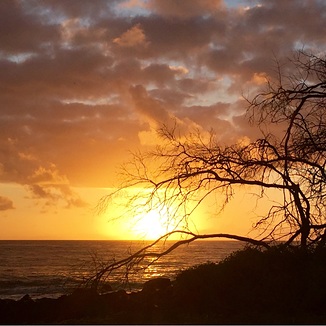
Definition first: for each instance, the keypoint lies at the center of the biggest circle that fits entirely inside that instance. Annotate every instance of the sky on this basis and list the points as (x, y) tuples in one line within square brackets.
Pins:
[(84, 83)]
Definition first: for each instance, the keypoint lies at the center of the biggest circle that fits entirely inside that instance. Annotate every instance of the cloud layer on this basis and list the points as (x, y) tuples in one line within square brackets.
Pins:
[(82, 82)]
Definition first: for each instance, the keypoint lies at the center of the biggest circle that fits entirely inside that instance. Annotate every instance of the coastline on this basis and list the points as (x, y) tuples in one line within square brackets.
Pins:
[(276, 286), (83, 306), (53, 268)]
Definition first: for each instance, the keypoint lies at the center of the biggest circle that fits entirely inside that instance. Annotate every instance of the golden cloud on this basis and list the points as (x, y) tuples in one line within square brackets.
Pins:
[(134, 36)]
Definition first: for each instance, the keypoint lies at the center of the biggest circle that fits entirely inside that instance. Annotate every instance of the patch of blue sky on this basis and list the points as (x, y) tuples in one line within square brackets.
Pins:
[(48, 16), (313, 47), (241, 3), (131, 8), (17, 57)]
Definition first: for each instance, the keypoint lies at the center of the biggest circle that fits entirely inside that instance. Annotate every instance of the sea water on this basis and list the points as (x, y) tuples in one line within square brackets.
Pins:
[(52, 268)]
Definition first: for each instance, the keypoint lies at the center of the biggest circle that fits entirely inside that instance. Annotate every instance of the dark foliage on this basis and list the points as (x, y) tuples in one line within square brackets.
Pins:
[(279, 285)]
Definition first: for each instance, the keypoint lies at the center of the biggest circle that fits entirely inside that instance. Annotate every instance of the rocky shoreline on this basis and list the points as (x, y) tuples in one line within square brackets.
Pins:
[(276, 286), (150, 305)]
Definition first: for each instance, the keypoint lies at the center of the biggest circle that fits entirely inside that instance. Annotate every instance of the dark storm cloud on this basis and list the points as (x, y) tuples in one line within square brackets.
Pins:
[(21, 31), (82, 82)]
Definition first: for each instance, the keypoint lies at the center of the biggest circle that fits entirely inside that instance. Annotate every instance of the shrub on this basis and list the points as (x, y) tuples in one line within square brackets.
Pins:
[(279, 281)]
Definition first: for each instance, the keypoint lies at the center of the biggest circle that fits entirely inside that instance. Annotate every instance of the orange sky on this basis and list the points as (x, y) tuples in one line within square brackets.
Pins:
[(84, 82)]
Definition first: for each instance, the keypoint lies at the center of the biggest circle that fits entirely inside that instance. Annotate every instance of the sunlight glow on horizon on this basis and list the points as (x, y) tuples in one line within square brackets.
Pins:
[(85, 84), (152, 225)]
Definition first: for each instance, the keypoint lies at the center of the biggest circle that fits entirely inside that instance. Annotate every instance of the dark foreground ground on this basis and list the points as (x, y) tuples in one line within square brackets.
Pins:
[(279, 286)]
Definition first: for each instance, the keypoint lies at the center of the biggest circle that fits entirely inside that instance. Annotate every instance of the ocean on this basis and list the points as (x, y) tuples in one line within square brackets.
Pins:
[(50, 268)]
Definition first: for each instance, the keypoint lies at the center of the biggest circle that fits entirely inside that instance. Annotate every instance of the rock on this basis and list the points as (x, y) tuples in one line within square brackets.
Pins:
[(86, 304), (80, 303), (84, 293), (115, 301), (26, 298), (156, 293), (156, 285)]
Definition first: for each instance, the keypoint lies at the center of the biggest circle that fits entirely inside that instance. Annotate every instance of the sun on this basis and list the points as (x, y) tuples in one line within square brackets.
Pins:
[(152, 225)]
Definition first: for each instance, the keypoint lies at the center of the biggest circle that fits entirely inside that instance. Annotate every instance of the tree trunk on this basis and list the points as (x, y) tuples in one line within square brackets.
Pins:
[(305, 230)]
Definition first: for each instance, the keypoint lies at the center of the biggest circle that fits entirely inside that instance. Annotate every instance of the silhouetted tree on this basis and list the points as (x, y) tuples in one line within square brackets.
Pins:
[(295, 158), (289, 157)]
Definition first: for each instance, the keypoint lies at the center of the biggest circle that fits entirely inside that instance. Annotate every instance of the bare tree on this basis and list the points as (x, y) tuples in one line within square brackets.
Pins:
[(298, 103), (289, 157)]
